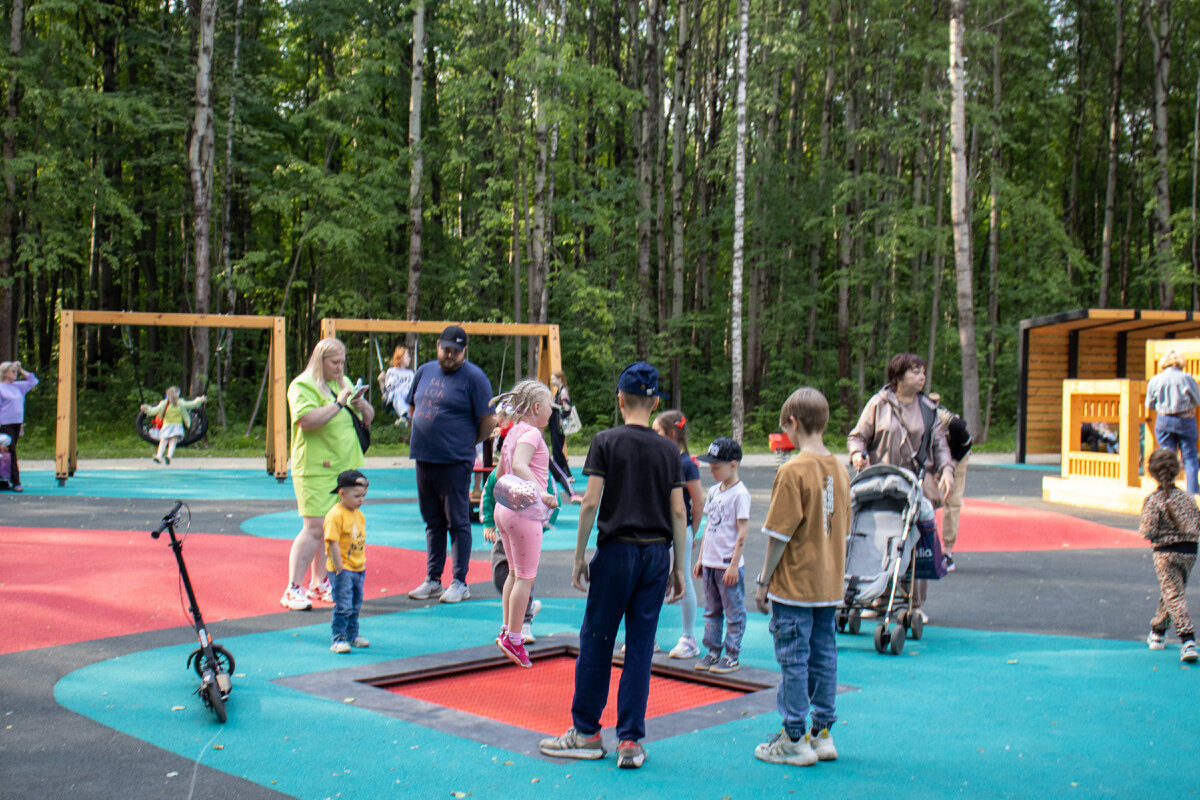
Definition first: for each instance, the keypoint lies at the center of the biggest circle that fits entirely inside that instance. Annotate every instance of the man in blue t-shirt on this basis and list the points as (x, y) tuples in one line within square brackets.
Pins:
[(450, 407)]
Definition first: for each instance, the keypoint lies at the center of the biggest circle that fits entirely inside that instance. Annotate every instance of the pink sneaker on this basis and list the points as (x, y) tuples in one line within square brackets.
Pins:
[(515, 651)]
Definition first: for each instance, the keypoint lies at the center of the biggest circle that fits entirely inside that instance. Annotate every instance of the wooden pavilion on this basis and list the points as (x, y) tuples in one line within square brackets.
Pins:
[(1087, 343)]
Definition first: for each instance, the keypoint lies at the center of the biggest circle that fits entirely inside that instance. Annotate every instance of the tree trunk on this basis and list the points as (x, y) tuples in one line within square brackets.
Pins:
[(961, 223), (225, 360), (416, 215), (8, 315), (1195, 180), (993, 303), (814, 252), (1158, 23), (739, 222), (200, 163), (679, 91), (1114, 147), (537, 264)]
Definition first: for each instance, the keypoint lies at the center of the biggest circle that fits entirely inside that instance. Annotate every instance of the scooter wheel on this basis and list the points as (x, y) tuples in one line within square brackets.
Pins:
[(213, 699), (224, 661)]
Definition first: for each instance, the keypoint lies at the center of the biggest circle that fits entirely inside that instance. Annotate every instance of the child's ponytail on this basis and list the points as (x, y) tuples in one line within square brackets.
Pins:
[(674, 423)]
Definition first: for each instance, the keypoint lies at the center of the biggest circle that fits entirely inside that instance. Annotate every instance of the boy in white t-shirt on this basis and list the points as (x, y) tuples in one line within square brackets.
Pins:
[(720, 565)]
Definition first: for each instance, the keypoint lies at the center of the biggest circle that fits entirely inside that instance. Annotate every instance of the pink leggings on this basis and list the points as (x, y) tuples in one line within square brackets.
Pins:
[(522, 539)]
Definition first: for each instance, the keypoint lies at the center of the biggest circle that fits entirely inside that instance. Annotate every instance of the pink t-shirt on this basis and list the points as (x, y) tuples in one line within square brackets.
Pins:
[(539, 464)]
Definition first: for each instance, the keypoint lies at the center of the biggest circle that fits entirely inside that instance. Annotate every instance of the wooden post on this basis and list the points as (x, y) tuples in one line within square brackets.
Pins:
[(277, 445), (64, 432)]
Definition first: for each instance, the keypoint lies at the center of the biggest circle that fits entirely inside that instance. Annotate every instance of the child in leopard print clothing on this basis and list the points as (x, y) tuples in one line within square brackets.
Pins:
[(1171, 521)]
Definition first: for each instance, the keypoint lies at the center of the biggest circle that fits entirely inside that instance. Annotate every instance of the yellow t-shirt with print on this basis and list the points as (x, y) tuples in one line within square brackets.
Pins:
[(346, 530)]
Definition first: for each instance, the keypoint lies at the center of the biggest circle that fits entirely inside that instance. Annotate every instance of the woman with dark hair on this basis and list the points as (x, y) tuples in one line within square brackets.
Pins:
[(15, 383), (899, 426)]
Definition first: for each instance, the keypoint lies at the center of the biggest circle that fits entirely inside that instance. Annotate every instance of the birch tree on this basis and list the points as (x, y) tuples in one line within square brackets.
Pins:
[(739, 222), (960, 221), (200, 163), (1158, 24), (416, 153)]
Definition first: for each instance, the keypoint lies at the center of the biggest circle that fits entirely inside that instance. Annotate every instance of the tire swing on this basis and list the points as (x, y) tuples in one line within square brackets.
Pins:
[(144, 424)]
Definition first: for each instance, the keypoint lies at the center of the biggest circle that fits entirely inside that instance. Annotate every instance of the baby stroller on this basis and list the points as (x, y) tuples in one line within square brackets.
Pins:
[(880, 567)]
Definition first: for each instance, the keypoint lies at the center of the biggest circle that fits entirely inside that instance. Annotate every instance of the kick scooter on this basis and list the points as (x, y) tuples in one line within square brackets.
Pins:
[(213, 663)]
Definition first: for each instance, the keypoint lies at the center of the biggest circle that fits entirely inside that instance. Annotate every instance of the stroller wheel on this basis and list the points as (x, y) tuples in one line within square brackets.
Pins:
[(881, 638), (855, 621), (916, 628), (897, 639), (841, 619)]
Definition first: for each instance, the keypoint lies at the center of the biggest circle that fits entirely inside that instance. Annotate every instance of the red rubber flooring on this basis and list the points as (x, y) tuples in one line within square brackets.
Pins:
[(63, 586), (987, 527), (506, 694)]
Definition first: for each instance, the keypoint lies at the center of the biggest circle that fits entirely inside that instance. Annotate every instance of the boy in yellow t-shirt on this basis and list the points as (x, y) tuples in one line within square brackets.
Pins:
[(345, 558), (801, 582)]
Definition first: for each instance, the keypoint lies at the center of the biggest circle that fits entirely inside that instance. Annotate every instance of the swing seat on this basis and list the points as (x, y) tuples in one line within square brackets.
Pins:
[(195, 432)]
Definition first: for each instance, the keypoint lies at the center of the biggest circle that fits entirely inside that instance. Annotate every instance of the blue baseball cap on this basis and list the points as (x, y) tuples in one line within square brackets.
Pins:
[(641, 379)]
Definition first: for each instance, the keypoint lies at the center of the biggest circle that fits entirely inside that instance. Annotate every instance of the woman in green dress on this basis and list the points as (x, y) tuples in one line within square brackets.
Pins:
[(324, 444)]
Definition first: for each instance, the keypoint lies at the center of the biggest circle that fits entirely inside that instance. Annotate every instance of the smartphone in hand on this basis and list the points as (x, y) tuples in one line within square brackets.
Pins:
[(359, 389)]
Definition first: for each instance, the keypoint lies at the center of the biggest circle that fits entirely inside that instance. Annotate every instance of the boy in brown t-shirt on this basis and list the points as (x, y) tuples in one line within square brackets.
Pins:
[(801, 582)]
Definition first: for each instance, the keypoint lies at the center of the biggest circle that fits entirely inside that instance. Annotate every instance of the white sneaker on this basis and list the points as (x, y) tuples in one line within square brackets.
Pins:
[(360, 641), (686, 647), (1154, 640), (322, 591), (822, 743), (457, 591), (340, 646), (782, 750), (534, 607), (294, 600), (430, 588), (527, 634), (1187, 652)]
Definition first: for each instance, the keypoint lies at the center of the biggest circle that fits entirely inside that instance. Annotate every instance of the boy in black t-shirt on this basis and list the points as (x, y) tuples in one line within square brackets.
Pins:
[(636, 486)]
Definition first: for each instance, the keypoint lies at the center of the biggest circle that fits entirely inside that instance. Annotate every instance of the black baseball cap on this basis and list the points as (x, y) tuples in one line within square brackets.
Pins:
[(453, 337), (722, 449), (349, 478)]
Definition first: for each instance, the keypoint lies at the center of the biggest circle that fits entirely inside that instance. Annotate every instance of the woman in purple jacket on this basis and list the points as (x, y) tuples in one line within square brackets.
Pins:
[(15, 382)]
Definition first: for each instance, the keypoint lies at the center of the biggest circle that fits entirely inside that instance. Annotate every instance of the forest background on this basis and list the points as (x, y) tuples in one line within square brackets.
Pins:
[(577, 162)]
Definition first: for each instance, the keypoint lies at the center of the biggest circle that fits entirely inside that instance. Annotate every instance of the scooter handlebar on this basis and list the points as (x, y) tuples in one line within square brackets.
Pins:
[(167, 521)]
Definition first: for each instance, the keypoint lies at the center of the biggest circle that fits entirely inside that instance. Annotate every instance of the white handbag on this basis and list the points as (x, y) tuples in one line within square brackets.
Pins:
[(572, 423)]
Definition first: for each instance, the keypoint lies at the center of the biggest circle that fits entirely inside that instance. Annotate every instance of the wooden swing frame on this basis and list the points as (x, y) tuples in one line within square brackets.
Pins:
[(66, 454), (549, 348)]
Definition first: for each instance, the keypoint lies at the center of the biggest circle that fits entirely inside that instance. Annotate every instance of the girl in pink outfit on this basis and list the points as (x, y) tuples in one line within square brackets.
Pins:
[(525, 456)]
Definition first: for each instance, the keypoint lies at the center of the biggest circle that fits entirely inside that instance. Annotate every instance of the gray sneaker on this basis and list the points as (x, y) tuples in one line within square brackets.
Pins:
[(780, 749), (630, 754), (726, 664), (430, 588), (573, 744), (708, 661), (456, 591)]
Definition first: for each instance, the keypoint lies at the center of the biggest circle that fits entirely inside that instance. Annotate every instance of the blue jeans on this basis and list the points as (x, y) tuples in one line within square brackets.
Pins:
[(627, 580), (444, 497), (348, 598), (1179, 434), (724, 604), (807, 654)]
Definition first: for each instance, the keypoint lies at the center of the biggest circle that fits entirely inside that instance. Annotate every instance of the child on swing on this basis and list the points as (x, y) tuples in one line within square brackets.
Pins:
[(175, 421), (525, 455)]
